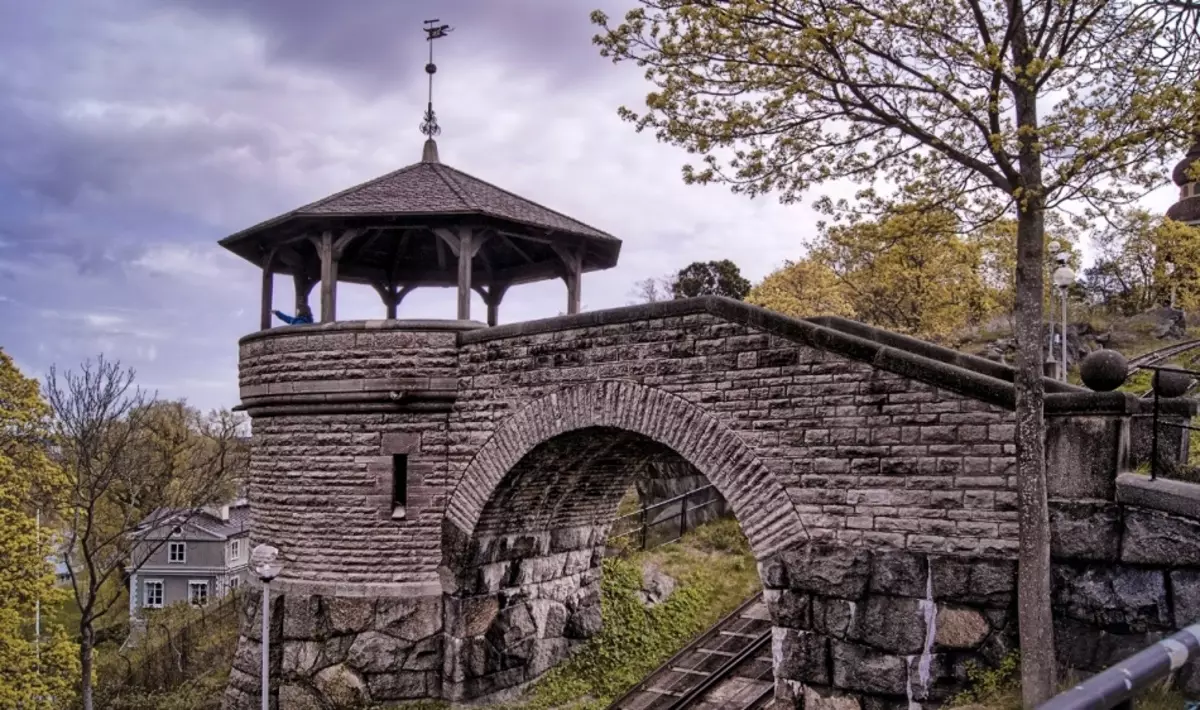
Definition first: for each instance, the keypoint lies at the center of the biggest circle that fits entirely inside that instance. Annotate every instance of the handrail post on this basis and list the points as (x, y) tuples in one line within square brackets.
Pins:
[(683, 516), (644, 526), (1154, 430)]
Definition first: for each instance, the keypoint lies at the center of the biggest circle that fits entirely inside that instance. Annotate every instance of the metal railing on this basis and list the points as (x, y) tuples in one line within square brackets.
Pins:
[(665, 522), (1117, 686), (1170, 464)]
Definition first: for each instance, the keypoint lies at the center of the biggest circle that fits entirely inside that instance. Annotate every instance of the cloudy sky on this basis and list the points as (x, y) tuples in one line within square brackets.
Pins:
[(136, 133)]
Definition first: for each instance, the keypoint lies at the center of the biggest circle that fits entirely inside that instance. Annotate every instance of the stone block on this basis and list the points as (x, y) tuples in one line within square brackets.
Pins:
[(1114, 598), (789, 609), (1082, 646), (584, 623), (303, 618), (973, 581), (299, 697), (826, 699), (425, 655), (300, 658), (409, 619), (511, 625), (1085, 530), (837, 618), (896, 625), (1153, 537), (960, 628), (899, 573), (828, 570), (375, 652), (1185, 593), (349, 615), (472, 616), (865, 670), (547, 652), (340, 686), (549, 617), (398, 686), (800, 655), (400, 443)]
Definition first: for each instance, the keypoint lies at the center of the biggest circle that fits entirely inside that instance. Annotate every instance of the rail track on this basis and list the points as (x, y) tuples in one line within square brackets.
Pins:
[(727, 667), (1156, 356)]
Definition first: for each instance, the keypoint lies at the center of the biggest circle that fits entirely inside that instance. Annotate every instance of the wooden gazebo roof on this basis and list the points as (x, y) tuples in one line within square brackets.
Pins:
[(394, 217), (1187, 209)]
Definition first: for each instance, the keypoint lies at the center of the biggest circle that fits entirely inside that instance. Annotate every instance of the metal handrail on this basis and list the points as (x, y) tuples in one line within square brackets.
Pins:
[(1119, 684)]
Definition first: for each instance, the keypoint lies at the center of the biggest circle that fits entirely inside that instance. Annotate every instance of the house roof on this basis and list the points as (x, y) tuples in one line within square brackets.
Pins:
[(420, 197), (206, 520)]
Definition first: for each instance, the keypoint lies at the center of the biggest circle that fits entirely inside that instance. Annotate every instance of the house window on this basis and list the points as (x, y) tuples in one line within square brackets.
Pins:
[(235, 550), (153, 598), (399, 485), (197, 592), (233, 583), (177, 552)]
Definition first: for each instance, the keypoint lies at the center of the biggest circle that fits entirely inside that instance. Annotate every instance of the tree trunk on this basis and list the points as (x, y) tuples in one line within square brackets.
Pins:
[(85, 665), (1038, 668)]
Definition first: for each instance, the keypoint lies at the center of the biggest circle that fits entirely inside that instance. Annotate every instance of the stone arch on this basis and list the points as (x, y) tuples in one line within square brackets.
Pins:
[(525, 528), (760, 503)]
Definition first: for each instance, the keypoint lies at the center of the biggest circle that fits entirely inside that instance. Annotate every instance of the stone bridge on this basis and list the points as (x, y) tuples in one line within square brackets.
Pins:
[(441, 491)]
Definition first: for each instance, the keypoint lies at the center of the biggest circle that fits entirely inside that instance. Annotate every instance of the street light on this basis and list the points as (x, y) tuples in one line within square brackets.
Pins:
[(266, 566), (1063, 278)]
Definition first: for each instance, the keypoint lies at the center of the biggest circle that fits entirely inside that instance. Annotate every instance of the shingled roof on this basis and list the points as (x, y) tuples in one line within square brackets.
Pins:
[(429, 188)]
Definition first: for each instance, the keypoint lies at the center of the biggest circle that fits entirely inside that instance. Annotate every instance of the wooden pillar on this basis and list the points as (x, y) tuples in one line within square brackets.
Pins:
[(268, 283), (572, 259), (392, 296), (466, 252), (328, 278), (495, 294)]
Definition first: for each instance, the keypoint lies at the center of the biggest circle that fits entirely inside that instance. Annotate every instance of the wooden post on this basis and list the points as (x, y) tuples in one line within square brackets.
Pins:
[(328, 278), (268, 283), (572, 259), (466, 250), (391, 306), (495, 294), (303, 285)]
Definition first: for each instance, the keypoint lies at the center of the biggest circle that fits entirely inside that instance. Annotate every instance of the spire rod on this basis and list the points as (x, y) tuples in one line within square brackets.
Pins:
[(429, 126)]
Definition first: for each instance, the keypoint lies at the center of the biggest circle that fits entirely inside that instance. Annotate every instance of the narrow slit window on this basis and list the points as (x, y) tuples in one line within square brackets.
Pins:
[(399, 482)]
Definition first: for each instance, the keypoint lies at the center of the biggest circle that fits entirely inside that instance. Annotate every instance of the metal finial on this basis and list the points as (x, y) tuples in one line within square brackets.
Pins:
[(429, 124)]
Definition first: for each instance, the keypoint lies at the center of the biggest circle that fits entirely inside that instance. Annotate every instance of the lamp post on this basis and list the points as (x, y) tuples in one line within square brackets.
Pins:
[(1054, 248), (266, 566), (1063, 277)]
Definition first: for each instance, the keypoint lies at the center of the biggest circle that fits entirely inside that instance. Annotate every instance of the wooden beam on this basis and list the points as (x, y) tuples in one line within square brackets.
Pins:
[(343, 241), (441, 252), (303, 286), (450, 238), (401, 243), (268, 285), (507, 240)]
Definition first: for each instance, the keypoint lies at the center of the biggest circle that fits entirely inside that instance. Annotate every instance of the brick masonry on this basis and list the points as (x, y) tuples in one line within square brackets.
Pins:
[(521, 440)]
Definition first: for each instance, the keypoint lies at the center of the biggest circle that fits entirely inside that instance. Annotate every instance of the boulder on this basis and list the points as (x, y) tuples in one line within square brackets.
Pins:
[(340, 686), (656, 585)]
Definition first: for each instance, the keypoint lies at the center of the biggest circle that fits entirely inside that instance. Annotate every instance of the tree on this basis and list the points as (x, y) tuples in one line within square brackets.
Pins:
[(38, 672), (1145, 261), (133, 467), (710, 278), (986, 109), (651, 290), (909, 271), (802, 289)]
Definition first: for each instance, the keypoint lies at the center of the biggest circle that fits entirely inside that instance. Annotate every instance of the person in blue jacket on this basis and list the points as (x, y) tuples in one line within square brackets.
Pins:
[(303, 315)]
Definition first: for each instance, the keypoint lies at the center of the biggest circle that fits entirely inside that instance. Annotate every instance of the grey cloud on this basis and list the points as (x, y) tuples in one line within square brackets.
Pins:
[(378, 43)]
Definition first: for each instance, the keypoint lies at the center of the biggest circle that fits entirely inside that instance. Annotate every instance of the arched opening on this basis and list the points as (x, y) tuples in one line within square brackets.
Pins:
[(526, 585)]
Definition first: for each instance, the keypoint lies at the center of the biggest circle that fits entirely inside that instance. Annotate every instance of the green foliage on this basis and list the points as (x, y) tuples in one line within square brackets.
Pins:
[(29, 481), (710, 278), (997, 687), (635, 640)]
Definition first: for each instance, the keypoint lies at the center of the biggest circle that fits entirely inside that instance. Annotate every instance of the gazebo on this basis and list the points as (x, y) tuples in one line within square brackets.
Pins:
[(427, 224)]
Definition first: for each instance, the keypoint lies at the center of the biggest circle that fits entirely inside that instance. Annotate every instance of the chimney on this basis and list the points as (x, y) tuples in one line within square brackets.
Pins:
[(225, 513)]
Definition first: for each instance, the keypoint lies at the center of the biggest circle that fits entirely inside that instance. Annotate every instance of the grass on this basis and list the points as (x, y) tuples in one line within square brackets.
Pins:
[(1000, 689)]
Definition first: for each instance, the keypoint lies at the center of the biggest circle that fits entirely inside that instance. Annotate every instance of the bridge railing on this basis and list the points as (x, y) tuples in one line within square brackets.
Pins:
[(1170, 435), (1119, 685), (666, 521)]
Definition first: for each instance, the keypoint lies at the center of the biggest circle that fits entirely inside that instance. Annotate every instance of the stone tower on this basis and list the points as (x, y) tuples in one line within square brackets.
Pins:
[(349, 472)]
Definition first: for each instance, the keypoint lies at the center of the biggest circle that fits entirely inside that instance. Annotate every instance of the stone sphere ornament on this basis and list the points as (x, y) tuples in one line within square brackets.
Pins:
[(1171, 384), (1104, 370)]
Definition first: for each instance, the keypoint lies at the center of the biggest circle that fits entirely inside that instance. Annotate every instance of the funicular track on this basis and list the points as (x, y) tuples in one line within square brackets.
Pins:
[(729, 666)]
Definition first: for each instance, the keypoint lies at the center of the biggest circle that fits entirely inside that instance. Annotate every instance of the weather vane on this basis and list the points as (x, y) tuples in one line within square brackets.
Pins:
[(433, 31)]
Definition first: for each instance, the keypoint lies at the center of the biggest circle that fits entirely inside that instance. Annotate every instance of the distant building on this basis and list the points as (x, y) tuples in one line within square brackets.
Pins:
[(189, 558)]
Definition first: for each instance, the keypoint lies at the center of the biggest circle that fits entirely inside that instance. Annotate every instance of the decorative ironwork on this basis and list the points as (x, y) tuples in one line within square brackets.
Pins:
[(429, 124)]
